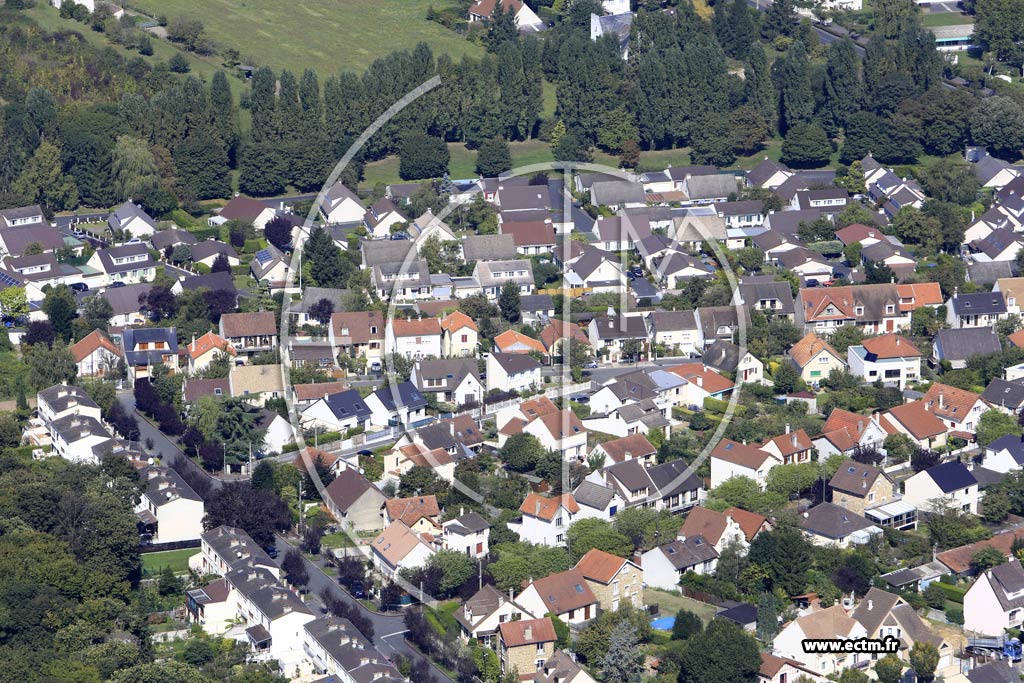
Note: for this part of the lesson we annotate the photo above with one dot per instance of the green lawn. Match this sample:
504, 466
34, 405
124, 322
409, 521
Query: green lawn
946, 19
326, 35
177, 560
669, 604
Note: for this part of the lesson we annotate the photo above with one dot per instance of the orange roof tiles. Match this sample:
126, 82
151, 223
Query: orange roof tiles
750, 522
91, 342
600, 566
808, 348
536, 505
791, 443
415, 328
917, 420
891, 346
456, 320
562, 424
704, 522
412, 510
208, 342
511, 341
527, 632
948, 402
702, 376
750, 457
918, 294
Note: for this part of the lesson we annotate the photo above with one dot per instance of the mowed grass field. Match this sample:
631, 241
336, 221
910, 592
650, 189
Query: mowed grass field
177, 560
327, 35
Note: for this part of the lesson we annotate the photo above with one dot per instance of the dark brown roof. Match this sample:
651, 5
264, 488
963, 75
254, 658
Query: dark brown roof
248, 324
347, 488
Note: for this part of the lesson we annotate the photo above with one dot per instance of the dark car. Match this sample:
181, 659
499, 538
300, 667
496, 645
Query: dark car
399, 236
364, 452
811, 282
636, 271
79, 286
271, 551
580, 399
115, 285
358, 590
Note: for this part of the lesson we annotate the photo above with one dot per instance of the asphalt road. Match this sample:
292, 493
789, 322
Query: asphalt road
388, 630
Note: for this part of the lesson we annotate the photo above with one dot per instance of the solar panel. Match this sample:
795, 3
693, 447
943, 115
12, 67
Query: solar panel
9, 280
264, 256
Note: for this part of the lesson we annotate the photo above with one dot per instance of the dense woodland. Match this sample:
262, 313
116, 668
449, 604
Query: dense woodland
83, 126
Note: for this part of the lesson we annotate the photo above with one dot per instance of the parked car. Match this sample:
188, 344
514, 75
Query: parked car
590, 365
79, 286
271, 550
580, 398
358, 590
115, 285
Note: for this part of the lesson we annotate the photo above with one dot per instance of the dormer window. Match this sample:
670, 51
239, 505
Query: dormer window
890, 309
858, 310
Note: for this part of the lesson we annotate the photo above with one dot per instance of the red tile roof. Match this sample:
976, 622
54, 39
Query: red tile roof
208, 342
750, 522
950, 403
311, 392
530, 233
791, 443
891, 346
505, 342
917, 420
527, 632
545, 508
702, 376
456, 320
600, 566
414, 328
362, 326
92, 342
750, 457
412, 510
808, 348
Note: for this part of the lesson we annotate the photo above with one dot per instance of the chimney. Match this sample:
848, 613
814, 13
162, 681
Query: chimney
700, 381
451, 428
871, 605
528, 633
794, 439
536, 508
787, 428
942, 400
897, 340
682, 537
628, 455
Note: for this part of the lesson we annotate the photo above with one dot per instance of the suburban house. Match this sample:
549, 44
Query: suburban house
524, 645
845, 432
733, 459
399, 404
398, 547
616, 336
717, 528
566, 594
460, 335
815, 358
952, 483
468, 533
875, 308
664, 565
513, 372
791, 447
957, 346
481, 614
1004, 396
358, 334
341, 205
857, 487
545, 520
244, 210
130, 218
493, 275
884, 614
381, 216
256, 383
890, 358
421, 514
127, 263
782, 670
168, 508
557, 332
525, 18
983, 309
227, 548
452, 380
511, 341
1005, 454
335, 647
764, 294
80, 438
250, 333
958, 409
202, 351
144, 347
597, 501
613, 580
824, 624
677, 332
270, 267
337, 411
626, 448
95, 355
995, 602
418, 338
562, 432
916, 421
62, 400
827, 524
723, 356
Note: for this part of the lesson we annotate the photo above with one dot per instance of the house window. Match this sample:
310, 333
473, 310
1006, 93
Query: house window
858, 310
890, 309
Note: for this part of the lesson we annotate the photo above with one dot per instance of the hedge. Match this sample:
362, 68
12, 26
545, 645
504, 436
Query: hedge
718, 406
953, 593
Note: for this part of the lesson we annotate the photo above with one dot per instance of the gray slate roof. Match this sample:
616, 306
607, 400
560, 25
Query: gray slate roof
963, 343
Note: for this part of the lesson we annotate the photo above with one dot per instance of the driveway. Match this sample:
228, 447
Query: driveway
388, 630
